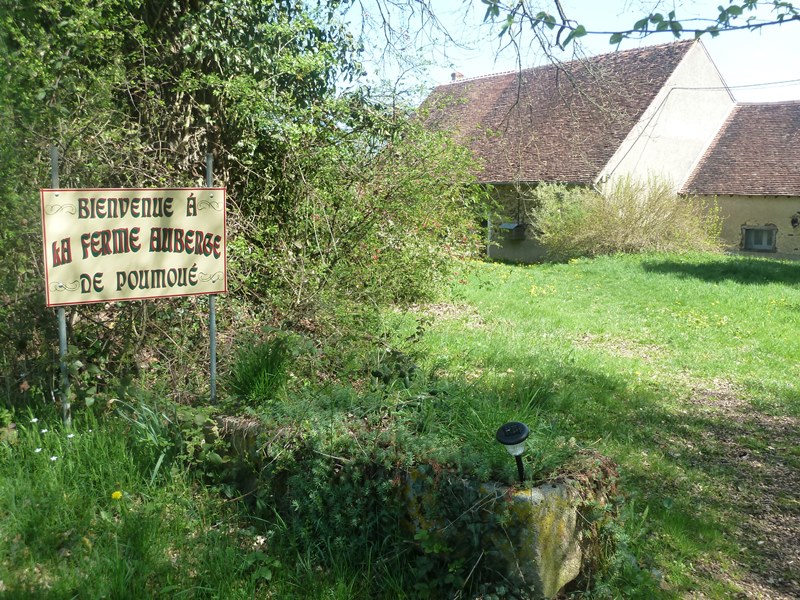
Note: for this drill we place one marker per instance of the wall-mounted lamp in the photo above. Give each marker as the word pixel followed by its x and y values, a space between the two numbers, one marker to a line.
pixel 513 435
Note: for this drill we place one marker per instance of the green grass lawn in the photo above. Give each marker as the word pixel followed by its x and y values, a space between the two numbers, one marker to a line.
pixel 80 517
pixel 683 369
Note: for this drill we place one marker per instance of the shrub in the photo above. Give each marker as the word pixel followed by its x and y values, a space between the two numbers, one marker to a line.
pixel 371 224
pixel 629 216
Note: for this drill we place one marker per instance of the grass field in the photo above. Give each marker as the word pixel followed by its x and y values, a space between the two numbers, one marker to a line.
pixel 81 518
pixel 684 370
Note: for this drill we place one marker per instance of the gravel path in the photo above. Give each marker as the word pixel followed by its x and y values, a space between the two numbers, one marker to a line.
pixel 761 454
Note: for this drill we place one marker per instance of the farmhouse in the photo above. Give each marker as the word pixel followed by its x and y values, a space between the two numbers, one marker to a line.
pixel 660 111
pixel 752 169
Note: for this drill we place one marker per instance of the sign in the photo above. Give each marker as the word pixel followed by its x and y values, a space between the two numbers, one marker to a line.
pixel 102 245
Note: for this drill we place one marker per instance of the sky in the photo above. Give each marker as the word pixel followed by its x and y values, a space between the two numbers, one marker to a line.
pixel 752 63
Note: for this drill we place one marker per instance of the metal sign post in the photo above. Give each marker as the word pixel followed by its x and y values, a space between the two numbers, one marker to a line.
pixel 212 300
pixel 66 408
pixel 112 244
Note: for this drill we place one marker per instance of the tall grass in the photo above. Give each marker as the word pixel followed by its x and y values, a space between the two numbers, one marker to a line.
pixel 260 371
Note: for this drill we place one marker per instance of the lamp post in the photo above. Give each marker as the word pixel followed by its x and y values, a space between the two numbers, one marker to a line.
pixel 513 435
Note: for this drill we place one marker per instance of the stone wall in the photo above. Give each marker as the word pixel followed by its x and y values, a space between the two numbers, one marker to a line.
pixel 532 535
pixel 532 532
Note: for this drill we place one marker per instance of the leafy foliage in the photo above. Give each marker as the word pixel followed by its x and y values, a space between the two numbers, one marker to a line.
pixel 737 15
pixel 334 197
pixel 337 464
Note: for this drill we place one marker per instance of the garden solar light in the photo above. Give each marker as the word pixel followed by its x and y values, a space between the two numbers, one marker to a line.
pixel 513 435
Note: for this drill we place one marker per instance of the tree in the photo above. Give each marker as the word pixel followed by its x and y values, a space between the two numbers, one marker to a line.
pixel 552 26
pixel 133 93
pixel 563 29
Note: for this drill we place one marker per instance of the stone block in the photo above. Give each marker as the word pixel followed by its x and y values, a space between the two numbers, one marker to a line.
pixel 542 549
pixel 532 532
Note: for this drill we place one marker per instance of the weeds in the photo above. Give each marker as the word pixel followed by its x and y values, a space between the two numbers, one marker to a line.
pixel 260 372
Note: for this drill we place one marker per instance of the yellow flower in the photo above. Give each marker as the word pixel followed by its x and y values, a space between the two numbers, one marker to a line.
pixel 116 495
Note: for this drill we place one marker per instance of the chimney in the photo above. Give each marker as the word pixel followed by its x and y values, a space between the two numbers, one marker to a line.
pixel 456 76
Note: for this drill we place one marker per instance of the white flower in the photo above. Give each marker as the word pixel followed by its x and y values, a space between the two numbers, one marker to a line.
pixel 38 450
pixel 71 435
pixel 44 430
pixel 54 458
pixel 34 420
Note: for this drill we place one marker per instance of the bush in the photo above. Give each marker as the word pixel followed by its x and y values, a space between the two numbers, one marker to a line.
pixel 369 225
pixel 630 216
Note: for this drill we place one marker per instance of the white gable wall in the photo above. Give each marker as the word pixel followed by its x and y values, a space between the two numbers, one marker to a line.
pixel 678 126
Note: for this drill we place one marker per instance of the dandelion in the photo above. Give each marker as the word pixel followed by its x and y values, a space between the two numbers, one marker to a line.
pixel 116 495
pixel 53 458
pixel 38 450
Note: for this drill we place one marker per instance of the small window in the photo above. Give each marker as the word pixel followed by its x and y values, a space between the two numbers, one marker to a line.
pixel 759 239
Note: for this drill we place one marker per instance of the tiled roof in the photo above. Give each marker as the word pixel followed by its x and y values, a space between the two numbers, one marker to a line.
pixel 556 122
pixel 756 153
